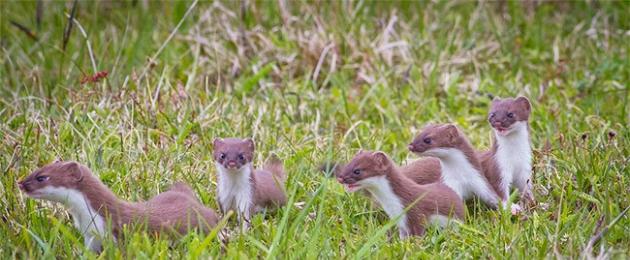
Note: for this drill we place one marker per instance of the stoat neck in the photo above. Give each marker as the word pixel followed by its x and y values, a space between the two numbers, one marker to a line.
pixel 103 200
pixel 519 136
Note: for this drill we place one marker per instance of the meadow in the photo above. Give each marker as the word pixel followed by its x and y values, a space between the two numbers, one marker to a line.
pixel 313 82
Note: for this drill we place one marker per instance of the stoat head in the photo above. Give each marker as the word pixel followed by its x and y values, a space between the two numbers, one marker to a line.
pixel 232 153
pixel 435 139
pixel 365 165
pixel 45 182
pixel 506 115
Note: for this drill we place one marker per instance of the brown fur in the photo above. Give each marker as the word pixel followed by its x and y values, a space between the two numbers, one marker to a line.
pixel 176 210
pixel 490 169
pixel 422 171
pixel 429 199
pixel 268 184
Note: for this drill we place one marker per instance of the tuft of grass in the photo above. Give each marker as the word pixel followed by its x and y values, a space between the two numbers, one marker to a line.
pixel 310 82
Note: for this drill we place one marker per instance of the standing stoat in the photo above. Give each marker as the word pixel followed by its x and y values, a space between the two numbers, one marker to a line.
pixel 432 203
pixel 509 161
pixel 461 169
pixel 242 188
pixel 92 204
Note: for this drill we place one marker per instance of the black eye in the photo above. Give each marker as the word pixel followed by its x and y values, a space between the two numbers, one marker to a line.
pixel 427 140
pixel 241 157
pixel 356 171
pixel 222 156
pixel 510 115
pixel 41 178
pixel 492 115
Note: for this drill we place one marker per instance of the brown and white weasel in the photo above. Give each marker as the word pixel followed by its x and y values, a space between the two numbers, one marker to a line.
pixel 509 161
pixel 461 169
pixel 376 173
pixel 91 204
pixel 242 188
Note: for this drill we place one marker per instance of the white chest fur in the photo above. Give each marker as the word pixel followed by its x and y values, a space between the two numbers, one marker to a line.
pixel 235 189
pixel 514 154
pixel 382 191
pixel 86 219
pixel 458 173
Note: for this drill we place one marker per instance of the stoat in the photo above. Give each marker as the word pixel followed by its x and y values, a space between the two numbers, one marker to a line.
pixel 509 161
pixel 461 169
pixel 432 203
pixel 242 188
pixel 92 204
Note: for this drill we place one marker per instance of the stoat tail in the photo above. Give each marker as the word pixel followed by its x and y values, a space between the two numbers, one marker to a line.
pixel 182 188
pixel 330 169
pixel 274 165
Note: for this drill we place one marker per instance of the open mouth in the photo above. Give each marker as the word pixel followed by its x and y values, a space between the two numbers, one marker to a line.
pixel 502 130
pixel 352 187
pixel 231 167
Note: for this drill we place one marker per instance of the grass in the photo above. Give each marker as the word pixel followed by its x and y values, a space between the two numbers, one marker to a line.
pixel 310 82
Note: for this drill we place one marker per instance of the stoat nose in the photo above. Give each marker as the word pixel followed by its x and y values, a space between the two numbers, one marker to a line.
pixel 21 185
pixel 340 180
pixel 231 164
pixel 411 147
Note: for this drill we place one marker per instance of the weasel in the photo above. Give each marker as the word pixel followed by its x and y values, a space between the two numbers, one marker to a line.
pixel 461 169
pixel 376 173
pixel 91 204
pixel 241 187
pixel 422 171
pixel 509 160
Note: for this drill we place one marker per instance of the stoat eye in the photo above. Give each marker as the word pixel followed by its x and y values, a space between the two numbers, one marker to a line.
pixel 427 140
pixel 222 156
pixel 510 115
pixel 41 178
pixel 241 157
pixel 492 115
pixel 356 171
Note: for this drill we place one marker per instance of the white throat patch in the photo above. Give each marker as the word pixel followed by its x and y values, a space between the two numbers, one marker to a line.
pixel 514 155
pixel 461 176
pixel 382 191
pixel 86 219
pixel 234 189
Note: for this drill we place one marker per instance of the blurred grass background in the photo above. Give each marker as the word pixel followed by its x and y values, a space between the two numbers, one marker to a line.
pixel 311 81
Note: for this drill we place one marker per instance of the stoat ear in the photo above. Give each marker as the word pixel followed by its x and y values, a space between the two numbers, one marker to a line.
pixel 451 132
pixel 380 158
pixel 250 144
pixel 217 143
pixel 359 152
pixel 524 103
pixel 74 170
pixel 496 100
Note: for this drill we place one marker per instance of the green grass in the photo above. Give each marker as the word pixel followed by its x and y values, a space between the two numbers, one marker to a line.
pixel 310 82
